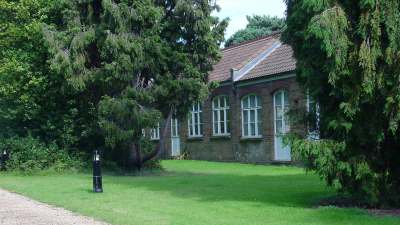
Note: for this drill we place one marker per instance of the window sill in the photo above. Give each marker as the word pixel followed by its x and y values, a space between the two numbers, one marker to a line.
pixel 282 162
pixel 221 136
pixel 255 138
pixel 195 138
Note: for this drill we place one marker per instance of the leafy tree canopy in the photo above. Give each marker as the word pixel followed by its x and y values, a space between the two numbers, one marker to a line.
pixel 137 62
pixel 33 100
pixel 257 26
pixel 348 58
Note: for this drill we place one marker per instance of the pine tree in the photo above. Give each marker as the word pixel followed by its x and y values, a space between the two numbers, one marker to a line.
pixel 348 58
pixel 137 62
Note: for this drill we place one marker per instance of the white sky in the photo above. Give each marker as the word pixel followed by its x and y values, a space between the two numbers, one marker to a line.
pixel 237 10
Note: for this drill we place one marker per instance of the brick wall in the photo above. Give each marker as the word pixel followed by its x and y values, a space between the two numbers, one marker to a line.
pixel 234 147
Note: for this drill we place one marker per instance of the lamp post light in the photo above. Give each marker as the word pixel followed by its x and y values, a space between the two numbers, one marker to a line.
pixel 3 161
pixel 97 180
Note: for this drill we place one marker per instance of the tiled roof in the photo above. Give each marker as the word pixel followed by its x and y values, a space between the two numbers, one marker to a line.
pixel 236 57
pixel 280 61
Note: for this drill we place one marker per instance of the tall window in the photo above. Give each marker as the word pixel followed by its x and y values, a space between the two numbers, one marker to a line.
pixel 174 127
pixel 313 124
pixel 155 133
pixel 195 121
pixel 281 107
pixel 251 116
pixel 220 108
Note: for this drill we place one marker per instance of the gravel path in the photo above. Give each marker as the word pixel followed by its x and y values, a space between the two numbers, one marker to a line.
pixel 18 210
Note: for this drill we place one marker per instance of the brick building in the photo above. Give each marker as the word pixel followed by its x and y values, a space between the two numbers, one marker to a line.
pixel 243 118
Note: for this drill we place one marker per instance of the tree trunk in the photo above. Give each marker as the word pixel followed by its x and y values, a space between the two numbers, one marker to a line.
pixel 160 146
pixel 138 156
pixel 134 161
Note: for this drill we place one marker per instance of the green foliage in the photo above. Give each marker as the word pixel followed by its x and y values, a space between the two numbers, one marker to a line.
pixel 74 72
pixel 257 26
pixel 331 162
pixel 29 155
pixel 34 99
pixel 348 59
pixel 125 113
pixel 136 62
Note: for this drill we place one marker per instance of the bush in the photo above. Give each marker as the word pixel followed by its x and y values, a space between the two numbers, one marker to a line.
pixel 29 155
pixel 349 174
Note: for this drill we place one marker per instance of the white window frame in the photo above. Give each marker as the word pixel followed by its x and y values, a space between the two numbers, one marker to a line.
pixel 220 104
pixel 143 133
pixel 281 107
pixel 313 135
pixel 155 133
pixel 195 114
pixel 257 110
pixel 285 108
pixel 174 127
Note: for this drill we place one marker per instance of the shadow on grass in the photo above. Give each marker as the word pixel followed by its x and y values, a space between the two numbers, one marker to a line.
pixel 281 190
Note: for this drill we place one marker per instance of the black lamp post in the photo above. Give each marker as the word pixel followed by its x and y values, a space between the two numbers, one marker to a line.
pixel 3 160
pixel 97 180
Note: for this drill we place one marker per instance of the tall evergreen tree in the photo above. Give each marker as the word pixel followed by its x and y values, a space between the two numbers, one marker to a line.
pixel 348 58
pixel 137 62
pixel 257 26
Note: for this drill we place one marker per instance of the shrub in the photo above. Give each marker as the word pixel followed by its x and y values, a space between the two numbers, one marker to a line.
pixel 28 155
pixel 347 55
pixel 348 173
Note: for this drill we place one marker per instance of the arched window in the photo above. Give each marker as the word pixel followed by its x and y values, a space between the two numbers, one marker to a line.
pixel 220 109
pixel 251 116
pixel 195 121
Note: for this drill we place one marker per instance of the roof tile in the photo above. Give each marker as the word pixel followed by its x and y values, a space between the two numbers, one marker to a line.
pixel 238 56
pixel 279 61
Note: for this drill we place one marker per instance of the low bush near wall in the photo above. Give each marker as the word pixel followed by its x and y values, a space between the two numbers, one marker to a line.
pixel 347 172
pixel 29 155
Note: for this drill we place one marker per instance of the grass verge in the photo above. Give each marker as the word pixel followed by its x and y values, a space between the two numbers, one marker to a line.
pixel 196 193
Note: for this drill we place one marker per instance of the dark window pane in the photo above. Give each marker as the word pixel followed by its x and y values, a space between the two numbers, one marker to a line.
pixel 252 116
pixel 286 98
pixel 245 103
pixel 253 129
pixel 252 101
pixel 278 98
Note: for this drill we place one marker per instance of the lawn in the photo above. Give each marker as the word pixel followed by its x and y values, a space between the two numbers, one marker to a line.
pixel 193 192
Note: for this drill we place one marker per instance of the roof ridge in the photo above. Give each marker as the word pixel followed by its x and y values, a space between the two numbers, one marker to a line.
pixel 271 35
pixel 238 74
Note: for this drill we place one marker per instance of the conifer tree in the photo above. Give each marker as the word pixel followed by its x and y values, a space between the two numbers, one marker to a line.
pixel 137 62
pixel 348 58
pixel 257 26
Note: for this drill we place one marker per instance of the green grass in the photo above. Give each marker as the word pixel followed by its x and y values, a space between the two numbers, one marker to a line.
pixel 192 192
